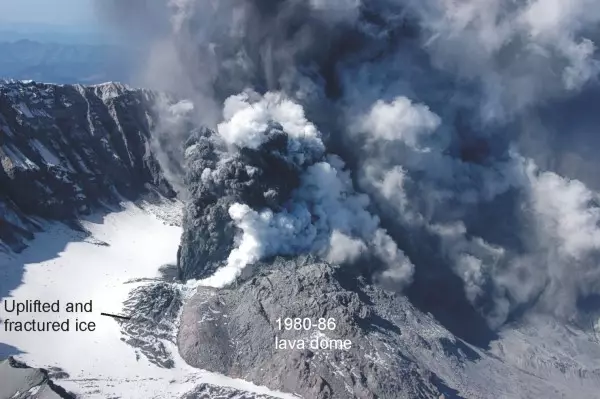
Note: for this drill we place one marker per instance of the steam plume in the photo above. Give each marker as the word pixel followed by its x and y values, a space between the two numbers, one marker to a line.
pixel 451 118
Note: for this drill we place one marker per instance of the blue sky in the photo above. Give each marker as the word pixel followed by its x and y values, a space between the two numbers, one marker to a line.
pixel 64 13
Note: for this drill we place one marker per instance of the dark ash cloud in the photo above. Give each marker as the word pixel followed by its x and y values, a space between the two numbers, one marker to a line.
pixel 444 114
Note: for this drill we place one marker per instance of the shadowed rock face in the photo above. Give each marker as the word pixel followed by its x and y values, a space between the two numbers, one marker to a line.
pixel 64 149
pixel 22 382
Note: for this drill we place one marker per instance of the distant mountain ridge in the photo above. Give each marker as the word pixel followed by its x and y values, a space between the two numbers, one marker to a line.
pixel 63 63
pixel 82 33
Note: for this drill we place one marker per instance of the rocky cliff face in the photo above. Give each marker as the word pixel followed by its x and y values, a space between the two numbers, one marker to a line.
pixel 65 149
pixel 22 382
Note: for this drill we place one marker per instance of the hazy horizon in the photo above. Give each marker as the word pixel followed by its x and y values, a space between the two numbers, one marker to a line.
pixel 51 12
pixel 51 20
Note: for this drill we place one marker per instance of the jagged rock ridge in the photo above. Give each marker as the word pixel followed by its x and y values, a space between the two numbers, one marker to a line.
pixel 66 148
pixel 22 382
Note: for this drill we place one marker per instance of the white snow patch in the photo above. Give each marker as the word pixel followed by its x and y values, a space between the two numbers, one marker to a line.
pixel 34 390
pixel 40 112
pixel 49 157
pixel 59 265
pixel 18 159
pixel 5 128
pixel 24 110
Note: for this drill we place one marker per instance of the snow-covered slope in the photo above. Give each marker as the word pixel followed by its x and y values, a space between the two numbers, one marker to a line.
pixel 124 250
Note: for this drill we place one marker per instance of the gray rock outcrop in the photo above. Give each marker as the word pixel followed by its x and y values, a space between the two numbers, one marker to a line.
pixel 392 345
pixel 22 382
pixel 397 351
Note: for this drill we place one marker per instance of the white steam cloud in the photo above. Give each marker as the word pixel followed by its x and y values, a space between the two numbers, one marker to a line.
pixel 400 120
pixel 174 121
pixel 247 117
pixel 344 249
pixel 421 187
pixel 521 52
pixel 324 215
pixel 568 213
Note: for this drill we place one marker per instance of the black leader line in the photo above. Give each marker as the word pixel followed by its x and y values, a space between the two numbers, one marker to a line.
pixel 115 316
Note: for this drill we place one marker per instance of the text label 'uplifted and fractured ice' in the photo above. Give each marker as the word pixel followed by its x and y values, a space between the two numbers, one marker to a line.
pixel 26 323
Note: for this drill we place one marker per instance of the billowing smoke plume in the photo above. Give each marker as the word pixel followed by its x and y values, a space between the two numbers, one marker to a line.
pixel 322 215
pixel 519 52
pixel 464 128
